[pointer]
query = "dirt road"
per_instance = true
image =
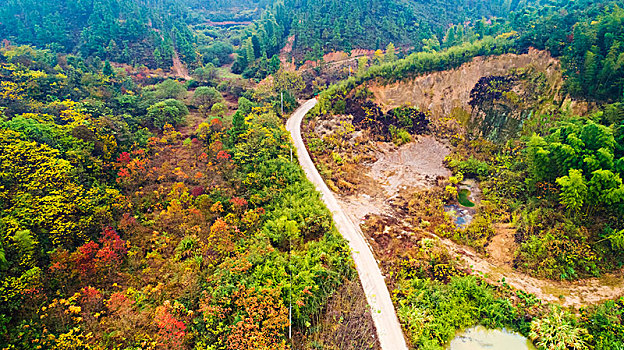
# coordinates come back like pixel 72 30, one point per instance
pixel 384 316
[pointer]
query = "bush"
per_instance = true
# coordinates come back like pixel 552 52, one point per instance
pixel 170 89
pixel 167 112
pixel 206 96
pixel 433 312
pixel 558 331
pixel 470 167
pixel 477 233
pixel 399 136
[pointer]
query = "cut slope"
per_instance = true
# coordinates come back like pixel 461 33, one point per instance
pixel 441 92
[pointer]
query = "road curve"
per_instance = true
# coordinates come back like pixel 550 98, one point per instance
pixel 386 322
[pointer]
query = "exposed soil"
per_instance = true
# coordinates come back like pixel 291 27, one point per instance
pixel 178 68
pixel 396 170
pixel 401 170
pixel 449 93
pixel 496 267
pixel 441 92
pixel 577 294
pixel 501 248
pixel 415 164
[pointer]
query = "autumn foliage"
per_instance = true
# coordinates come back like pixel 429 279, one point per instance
pixel 118 236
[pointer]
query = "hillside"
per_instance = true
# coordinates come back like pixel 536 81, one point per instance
pixel 474 161
pixel 340 25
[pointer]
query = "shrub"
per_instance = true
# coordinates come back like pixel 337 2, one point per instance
pixel 558 331
pixel 206 96
pixel 170 89
pixel 167 112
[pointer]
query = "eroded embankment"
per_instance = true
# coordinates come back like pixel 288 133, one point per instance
pixel 441 92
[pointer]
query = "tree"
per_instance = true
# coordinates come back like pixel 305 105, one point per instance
pixel 362 64
pixel 169 89
pixel 257 48
pixel 167 112
pixel 249 52
pixel 605 187
pixel 262 318
pixel 390 53
pixel 218 109
pixel 274 64
pixel 590 68
pixel 218 53
pixel 282 232
pixel 538 158
pixel 573 190
pixel 206 96
pixel 207 73
pixel 108 70
pixel 431 45
pixel 379 56
pixel 239 126
pixel 288 81
pixel 244 105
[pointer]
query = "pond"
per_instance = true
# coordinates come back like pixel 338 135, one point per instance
pixel 479 337
pixel 460 214
pixel 463 198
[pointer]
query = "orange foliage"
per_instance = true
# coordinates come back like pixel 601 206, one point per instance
pixel 263 320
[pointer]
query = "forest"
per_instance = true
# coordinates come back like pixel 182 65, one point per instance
pixel 151 196
pixel 141 235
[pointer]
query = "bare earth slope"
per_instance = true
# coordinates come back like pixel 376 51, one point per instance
pixel 384 316
pixel 441 92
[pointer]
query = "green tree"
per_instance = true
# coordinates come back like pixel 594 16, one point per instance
pixel 170 111
pixel 250 55
pixel 206 96
pixel 256 46
pixel 108 69
pixel 282 232
pixel 605 188
pixel 390 53
pixel 169 89
pixel 244 105
pixel 219 53
pixel 538 158
pixel 573 190
pixel 207 73
pixel 218 109
pixel 288 81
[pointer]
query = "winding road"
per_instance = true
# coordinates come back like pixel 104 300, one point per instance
pixel 386 322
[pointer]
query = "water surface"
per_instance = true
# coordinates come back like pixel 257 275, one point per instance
pixel 481 338
pixel 460 214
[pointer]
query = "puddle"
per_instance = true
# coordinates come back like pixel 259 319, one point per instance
pixel 479 337
pixel 461 215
